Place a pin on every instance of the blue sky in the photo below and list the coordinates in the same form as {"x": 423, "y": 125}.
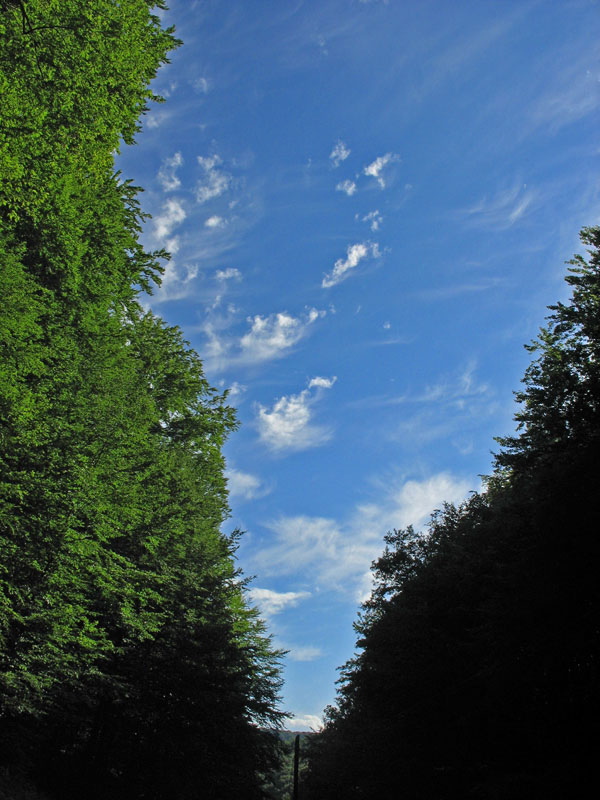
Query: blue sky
{"x": 368, "y": 205}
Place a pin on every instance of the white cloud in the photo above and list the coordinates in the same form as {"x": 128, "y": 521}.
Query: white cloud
{"x": 287, "y": 425}
{"x": 457, "y": 392}
{"x": 245, "y": 485}
{"x": 201, "y": 85}
{"x": 272, "y": 336}
{"x": 173, "y": 215}
{"x": 228, "y": 274}
{"x": 177, "y": 282}
{"x": 270, "y": 602}
{"x": 307, "y": 653}
{"x": 569, "y": 93}
{"x": 354, "y": 255}
{"x": 375, "y": 168}
{"x": 374, "y": 218}
{"x": 215, "y": 222}
{"x": 156, "y": 118}
{"x": 172, "y": 245}
{"x": 304, "y": 722}
{"x": 322, "y": 383}
{"x": 504, "y": 209}
{"x": 337, "y": 555}
{"x": 346, "y": 186}
{"x": 167, "y": 173}
{"x": 222, "y": 276}
{"x": 236, "y": 390}
{"x": 339, "y": 153}
{"x": 215, "y": 182}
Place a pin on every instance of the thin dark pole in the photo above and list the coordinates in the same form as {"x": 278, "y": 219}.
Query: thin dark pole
{"x": 296, "y": 759}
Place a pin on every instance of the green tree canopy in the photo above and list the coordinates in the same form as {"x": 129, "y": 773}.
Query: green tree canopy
{"x": 130, "y": 663}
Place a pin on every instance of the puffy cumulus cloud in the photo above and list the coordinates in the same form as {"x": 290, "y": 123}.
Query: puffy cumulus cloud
{"x": 339, "y": 153}
{"x": 304, "y": 722}
{"x": 269, "y": 337}
{"x": 270, "y": 602}
{"x": 322, "y": 383}
{"x": 215, "y": 222}
{"x": 354, "y": 255}
{"x": 167, "y": 174}
{"x": 338, "y": 554}
{"x": 374, "y": 219}
{"x": 287, "y": 424}
{"x": 244, "y": 485}
{"x": 231, "y": 273}
{"x": 214, "y": 182}
{"x": 375, "y": 168}
{"x": 173, "y": 214}
{"x": 347, "y": 186}
{"x": 273, "y": 336}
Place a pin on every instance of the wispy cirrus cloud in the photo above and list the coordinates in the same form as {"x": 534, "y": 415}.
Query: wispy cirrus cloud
{"x": 154, "y": 119}
{"x": 337, "y": 554}
{"x": 354, "y": 255}
{"x": 376, "y": 168}
{"x": 503, "y": 209}
{"x": 452, "y": 408}
{"x": 167, "y": 174}
{"x": 339, "y": 153}
{"x": 288, "y": 424}
{"x": 201, "y": 85}
{"x": 455, "y": 390}
{"x": 573, "y": 93}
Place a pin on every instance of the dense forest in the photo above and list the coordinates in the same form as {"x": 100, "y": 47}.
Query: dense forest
{"x": 476, "y": 673}
{"x": 131, "y": 664}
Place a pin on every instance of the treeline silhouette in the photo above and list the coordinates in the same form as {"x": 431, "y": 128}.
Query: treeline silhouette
{"x": 131, "y": 665}
{"x": 476, "y": 673}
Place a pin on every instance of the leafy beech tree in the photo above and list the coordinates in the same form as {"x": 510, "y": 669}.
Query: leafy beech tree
{"x": 130, "y": 663}
{"x": 476, "y": 670}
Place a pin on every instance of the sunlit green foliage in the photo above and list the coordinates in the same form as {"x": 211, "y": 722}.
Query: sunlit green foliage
{"x": 125, "y": 638}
